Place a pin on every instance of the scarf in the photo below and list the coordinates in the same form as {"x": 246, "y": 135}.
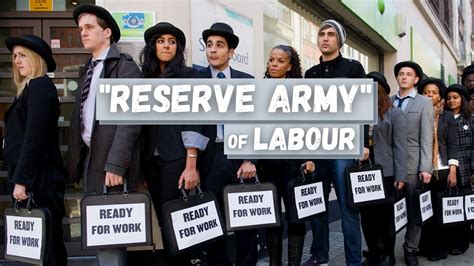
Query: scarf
{"x": 437, "y": 110}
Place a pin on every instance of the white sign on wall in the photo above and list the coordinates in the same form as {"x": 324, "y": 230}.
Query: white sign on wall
{"x": 204, "y": 13}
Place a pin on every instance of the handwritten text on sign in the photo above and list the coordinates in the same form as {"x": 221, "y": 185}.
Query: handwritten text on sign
{"x": 469, "y": 202}
{"x": 116, "y": 224}
{"x": 251, "y": 208}
{"x": 309, "y": 199}
{"x": 400, "y": 211}
{"x": 196, "y": 224}
{"x": 426, "y": 208}
{"x": 24, "y": 236}
{"x": 367, "y": 186}
{"x": 453, "y": 209}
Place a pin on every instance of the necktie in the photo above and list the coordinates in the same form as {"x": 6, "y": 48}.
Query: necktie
{"x": 86, "y": 87}
{"x": 400, "y": 101}
{"x": 221, "y": 75}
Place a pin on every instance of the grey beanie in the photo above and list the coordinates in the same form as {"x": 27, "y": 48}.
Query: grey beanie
{"x": 340, "y": 32}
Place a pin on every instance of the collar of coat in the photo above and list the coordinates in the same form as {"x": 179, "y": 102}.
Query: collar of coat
{"x": 336, "y": 60}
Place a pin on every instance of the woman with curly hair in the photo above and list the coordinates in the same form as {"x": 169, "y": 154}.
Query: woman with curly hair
{"x": 170, "y": 151}
{"x": 284, "y": 62}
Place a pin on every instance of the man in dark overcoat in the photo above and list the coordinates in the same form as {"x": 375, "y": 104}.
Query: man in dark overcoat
{"x": 102, "y": 154}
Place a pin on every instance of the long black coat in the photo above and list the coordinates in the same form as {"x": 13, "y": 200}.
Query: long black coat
{"x": 113, "y": 148}
{"x": 31, "y": 142}
{"x": 33, "y": 157}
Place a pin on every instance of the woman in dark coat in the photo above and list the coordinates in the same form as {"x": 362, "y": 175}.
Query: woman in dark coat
{"x": 170, "y": 151}
{"x": 284, "y": 62}
{"x": 445, "y": 150}
{"x": 390, "y": 151}
{"x": 457, "y": 100}
{"x": 31, "y": 147}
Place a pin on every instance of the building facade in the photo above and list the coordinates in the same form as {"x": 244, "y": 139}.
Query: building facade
{"x": 435, "y": 33}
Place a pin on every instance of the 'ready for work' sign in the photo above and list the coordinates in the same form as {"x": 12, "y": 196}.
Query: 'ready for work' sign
{"x": 116, "y": 224}
{"x": 309, "y": 199}
{"x": 196, "y": 224}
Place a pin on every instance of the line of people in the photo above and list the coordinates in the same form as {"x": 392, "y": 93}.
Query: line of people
{"x": 415, "y": 140}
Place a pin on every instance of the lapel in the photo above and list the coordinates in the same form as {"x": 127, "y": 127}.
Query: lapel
{"x": 233, "y": 73}
{"x": 410, "y": 104}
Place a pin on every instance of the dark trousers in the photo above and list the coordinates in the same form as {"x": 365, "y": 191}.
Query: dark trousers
{"x": 162, "y": 179}
{"x": 280, "y": 174}
{"x": 378, "y": 226}
{"x": 433, "y": 235}
{"x": 48, "y": 192}
{"x": 221, "y": 173}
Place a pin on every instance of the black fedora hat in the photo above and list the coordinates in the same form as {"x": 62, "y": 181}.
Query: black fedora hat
{"x": 224, "y": 30}
{"x": 438, "y": 82}
{"x": 459, "y": 89}
{"x": 36, "y": 44}
{"x": 410, "y": 64}
{"x": 380, "y": 78}
{"x": 101, "y": 13}
{"x": 165, "y": 28}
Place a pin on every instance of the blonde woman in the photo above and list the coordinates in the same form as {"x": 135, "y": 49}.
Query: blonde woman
{"x": 31, "y": 147}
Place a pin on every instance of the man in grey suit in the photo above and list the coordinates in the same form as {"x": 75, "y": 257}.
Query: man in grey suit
{"x": 418, "y": 113}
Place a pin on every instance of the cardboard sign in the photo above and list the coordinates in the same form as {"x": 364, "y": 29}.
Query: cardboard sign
{"x": 196, "y": 224}
{"x": 400, "y": 214}
{"x": 453, "y": 209}
{"x": 469, "y": 206}
{"x": 367, "y": 186}
{"x": 426, "y": 207}
{"x": 309, "y": 199}
{"x": 251, "y": 208}
{"x": 116, "y": 224}
{"x": 24, "y": 236}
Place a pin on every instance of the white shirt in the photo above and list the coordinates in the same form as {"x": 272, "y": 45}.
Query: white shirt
{"x": 88, "y": 112}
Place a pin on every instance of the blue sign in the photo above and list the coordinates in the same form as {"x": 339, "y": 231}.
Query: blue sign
{"x": 134, "y": 21}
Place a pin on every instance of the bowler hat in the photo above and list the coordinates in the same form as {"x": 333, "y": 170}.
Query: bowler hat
{"x": 224, "y": 30}
{"x": 101, "y": 13}
{"x": 165, "y": 28}
{"x": 459, "y": 89}
{"x": 410, "y": 64}
{"x": 36, "y": 44}
{"x": 380, "y": 78}
{"x": 438, "y": 82}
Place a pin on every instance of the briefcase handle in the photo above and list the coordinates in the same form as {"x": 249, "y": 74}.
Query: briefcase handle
{"x": 359, "y": 163}
{"x": 124, "y": 193}
{"x": 242, "y": 183}
{"x": 29, "y": 203}
{"x": 303, "y": 175}
{"x": 453, "y": 191}
{"x": 185, "y": 195}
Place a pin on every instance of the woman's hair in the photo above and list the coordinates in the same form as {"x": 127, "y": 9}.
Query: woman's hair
{"x": 383, "y": 101}
{"x": 295, "y": 71}
{"x": 38, "y": 69}
{"x": 151, "y": 64}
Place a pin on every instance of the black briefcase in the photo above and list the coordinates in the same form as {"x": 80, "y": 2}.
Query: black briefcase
{"x": 424, "y": 206}
{"x": 251, "y": 205}
{"x": 365, "y": 184}
{"x": 305, "y": 197}
{"x": 451, "y": 207}
{"x": 27, "y": 231}
{"x": 191, "y": 221}
{"x": 117, "y": 219}
{"x": 400, "y": 210}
